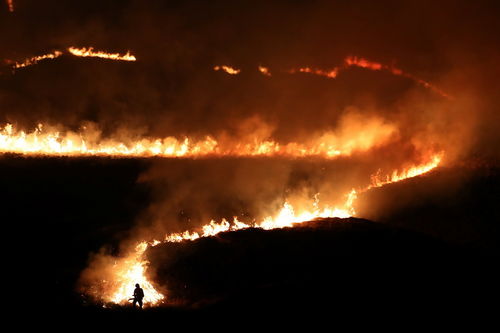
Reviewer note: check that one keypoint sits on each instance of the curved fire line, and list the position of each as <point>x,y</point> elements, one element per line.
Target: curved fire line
<point>350,61</point>
<point>132,268</point>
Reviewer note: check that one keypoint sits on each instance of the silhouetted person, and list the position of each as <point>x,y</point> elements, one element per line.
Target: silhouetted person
<point>138,295</point>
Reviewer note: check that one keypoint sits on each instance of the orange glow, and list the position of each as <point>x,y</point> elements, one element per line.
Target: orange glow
<point>264,70</point>
<point>364,63</point>
<point>330,73</point>
<point>348,139</point>
<point>36,59</point>
<point>128,271</point>
<point>377,180</point>
<point>227,69</point>
<point>89,52</point>
<point>132,268</point>
<point>10,4</point>
<point>353,61</point>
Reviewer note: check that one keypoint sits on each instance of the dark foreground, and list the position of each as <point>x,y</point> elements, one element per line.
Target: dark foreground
<point>57,211</point>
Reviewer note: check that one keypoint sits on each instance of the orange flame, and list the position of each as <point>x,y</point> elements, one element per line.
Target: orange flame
<point>353,61</point>
<point>53,142</point>
<point>413,171</point>
<point>227,69</point>
<point>286,217</point>
<point>264,70</point>
<point>364,63</point>
<point>330,74</point>
<point>131,269</point>
<point>89,52</point>
<point>36,59</point>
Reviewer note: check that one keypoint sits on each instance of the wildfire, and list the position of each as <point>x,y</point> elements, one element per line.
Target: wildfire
<point>88,142</point>
<point>36,59</point>
<point>227,69</point>
<point>89,52</point>
<point>364,63</point>
<point>131,269</point>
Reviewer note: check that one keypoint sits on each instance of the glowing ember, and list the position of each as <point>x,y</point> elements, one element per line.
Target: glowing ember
<point>10,4</point>
<point>53,142</point>
<point>36,59</point>
<point>360,62</point>
<point>227,69</point>
<point>89,52</point>
<point>131,269</point>
<point>264,70</point>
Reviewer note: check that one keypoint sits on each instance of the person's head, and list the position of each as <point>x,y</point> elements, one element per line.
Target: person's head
<point>137,285</point>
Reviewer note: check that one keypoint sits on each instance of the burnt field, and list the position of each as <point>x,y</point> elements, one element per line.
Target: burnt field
<point>56,212</point>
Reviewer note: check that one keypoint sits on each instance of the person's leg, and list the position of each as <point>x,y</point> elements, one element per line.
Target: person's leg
<point>134,302</point>
<point>140,303</point>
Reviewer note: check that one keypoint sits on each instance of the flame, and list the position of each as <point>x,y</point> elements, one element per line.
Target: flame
<point>413,171</point>
<point>36,59</point>
<point>128,272</point>
<point>89,52</point>
<point>353,61</point>
<point>364,63</point>
<point>53,142</point>
<point>330,73</point>
<point>227,69</point>
<point>264,70</point>
<point>83,52</point>
<point>350,61</point>
<point>132,269</point>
